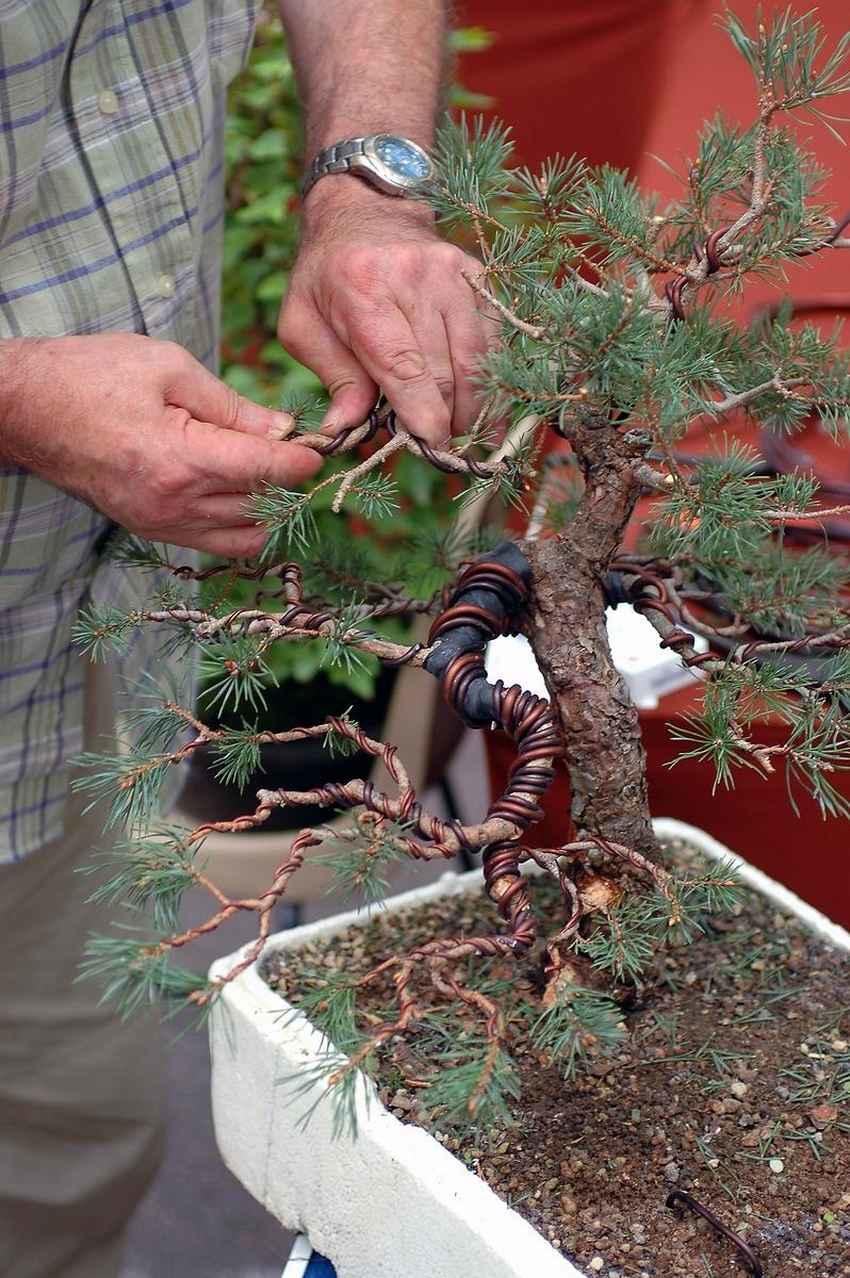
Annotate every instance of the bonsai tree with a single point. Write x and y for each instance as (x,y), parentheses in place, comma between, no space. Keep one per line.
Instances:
(614,339)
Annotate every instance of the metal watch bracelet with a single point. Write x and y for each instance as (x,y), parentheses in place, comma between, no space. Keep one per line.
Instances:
(333,159)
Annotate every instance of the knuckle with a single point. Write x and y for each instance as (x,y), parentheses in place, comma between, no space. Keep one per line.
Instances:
(166,484)
(176,356)
(409,257)
(230,407)
(343,381)
(359,266)
(406,364)
(291,322)
(292,340)
(450,256)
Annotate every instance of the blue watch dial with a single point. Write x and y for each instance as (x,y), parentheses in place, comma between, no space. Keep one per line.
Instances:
(402,158)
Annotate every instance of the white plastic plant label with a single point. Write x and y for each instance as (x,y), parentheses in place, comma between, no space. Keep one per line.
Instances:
(650,671)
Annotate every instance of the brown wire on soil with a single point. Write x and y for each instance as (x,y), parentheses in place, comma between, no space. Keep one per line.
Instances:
(745,1251)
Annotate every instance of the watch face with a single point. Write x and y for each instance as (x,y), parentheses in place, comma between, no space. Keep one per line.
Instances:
(405,160)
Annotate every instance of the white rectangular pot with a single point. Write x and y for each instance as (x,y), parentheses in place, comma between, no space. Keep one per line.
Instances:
(394,1201)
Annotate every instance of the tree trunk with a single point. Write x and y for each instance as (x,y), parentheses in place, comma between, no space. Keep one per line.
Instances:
(605,757)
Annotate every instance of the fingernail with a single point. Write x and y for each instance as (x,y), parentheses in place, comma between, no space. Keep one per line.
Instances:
(333,426)
(282,427)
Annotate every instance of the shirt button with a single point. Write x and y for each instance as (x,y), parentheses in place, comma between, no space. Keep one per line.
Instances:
(165,286)
(107,102)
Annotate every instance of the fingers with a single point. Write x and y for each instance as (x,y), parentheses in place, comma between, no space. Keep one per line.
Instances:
(224,510)
(238,541)
(197,494)
(232,543)
(398,315)
(208,399)
(469,336)
(306,335)
(429,328)
(238,463)
(386,346)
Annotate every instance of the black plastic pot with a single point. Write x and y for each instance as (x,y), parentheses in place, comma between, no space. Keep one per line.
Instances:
(297,765)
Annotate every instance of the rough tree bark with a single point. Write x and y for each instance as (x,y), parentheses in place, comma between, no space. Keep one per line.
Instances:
(605,757)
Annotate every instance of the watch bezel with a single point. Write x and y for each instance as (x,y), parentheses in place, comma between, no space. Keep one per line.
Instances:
(370,165)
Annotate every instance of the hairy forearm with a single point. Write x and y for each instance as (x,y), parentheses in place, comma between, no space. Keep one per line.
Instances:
(377,302)
(21,364)
(367,66)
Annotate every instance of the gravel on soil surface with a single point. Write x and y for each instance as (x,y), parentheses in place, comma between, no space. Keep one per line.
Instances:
(733,1084)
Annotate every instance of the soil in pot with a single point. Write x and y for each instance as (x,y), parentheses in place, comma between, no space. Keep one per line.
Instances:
(733,1084)
(296,765)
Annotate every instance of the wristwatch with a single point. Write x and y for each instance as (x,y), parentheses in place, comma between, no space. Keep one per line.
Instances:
(392,164)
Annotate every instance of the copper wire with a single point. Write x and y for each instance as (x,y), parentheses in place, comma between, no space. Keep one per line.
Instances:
(527,719)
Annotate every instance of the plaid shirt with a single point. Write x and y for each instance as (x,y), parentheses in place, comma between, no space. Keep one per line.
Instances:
(111,206)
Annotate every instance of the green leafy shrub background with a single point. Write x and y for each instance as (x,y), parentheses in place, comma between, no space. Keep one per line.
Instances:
(263,151)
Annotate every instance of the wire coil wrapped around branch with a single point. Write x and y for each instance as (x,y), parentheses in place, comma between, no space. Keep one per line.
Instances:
(488,601)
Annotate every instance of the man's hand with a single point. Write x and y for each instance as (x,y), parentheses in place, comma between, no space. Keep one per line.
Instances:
(140,430)
(378,300)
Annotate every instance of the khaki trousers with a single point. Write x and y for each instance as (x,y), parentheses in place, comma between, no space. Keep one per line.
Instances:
(80,1092)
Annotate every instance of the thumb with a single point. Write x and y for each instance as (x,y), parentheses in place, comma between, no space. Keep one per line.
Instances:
(209,399)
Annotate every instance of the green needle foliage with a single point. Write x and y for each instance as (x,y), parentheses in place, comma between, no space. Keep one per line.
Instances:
(433,556)
(579,1021)
(613,327)
(576,255)
(359,857)
(155,718)
(236,756)
(476,1084)
(336,568)
(136,974)
(101,632)
(327,999)
(472,159)
(237,673)
(132,551)
(375,496)
(153,871)
(625,939)
(346,629)
(288,517)
(338,744)
(347,1091)
(131,782)
(790,56)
